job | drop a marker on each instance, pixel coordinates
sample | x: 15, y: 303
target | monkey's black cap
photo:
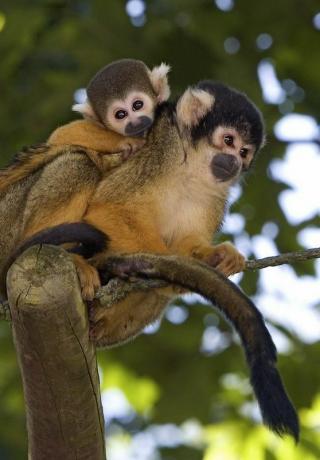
x: 231, y: 109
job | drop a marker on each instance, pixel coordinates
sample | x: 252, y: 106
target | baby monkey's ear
x: 86, y: 110
x: 159, y: 80
x: 192, y: 106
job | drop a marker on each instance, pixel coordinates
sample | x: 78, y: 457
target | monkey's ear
x: 264, y: 141
x: 192, y: 106
x: 85, y: 109
x: 159, y: 81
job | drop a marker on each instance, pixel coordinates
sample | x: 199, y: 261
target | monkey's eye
x: 243, y: 153
x: 228, y: 140
x: 120, y: 114
x: 137, y: 105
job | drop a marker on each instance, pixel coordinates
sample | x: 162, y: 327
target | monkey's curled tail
x: 91, y: 239
x: 277, y: 411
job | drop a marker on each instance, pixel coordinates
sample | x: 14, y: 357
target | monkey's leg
x: 128, y: 232
x: 71, y: 212
x: 59, y: 213
x: 127, y: 318
x: 224, y: 257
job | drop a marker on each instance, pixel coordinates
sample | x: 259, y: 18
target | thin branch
x: 286, y: 258
x: 252, y: 264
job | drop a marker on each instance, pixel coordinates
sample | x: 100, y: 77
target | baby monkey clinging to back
x: 122, y: 98
x: 123, y: 95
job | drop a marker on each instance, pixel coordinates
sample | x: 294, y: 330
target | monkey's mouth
x: 140, y: 128
x: 140, y: 132
x: 225, y: 166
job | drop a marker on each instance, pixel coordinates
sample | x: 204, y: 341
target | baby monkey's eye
x: 228, y: 140
x: 120, y: 114
x: 137, y: 105
x: 243, y: 153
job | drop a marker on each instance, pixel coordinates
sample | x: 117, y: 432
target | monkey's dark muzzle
x: 225, y: 166
x: 140, y: 128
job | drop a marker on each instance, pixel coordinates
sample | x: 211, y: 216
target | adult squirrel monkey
x: 121, y: 102
x: 169, y: 198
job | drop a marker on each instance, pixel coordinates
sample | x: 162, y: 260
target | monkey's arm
x: 92, y: 136
x: 224, y: 257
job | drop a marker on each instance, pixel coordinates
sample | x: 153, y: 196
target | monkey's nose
x: 138, y: 127
x: 225, y: 166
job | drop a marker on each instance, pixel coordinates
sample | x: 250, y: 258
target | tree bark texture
x: 57, y: 360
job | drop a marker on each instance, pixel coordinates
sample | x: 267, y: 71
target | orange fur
x: 71, y: 212
x: 130, y: 228
x: 91, y: 135
x: 105, y: 148
x: 88, y: 276
x: 27, y: 162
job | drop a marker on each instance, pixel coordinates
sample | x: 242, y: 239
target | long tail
x: 91, y: 239
x: 277, y: 411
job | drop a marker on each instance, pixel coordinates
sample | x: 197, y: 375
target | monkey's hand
x: 225, y: 258
x: 128, y: 146
x: 88, y: 277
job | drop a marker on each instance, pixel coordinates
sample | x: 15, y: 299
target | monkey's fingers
x: 129, y: 146
x: 90, y: 283
x: 88, y: 277
x: 231, y: 264
x: 226, y: 258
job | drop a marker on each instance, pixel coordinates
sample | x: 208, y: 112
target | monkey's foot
x: 89, y: 281
x: 225, y: 258
x: 88, y: 277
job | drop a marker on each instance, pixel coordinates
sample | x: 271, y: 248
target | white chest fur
x: 191, y: 202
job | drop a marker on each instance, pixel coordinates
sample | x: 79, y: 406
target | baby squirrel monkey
x: 121, y: 102
x: 121, y: 98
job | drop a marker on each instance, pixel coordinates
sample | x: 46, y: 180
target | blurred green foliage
x: 50, y: 48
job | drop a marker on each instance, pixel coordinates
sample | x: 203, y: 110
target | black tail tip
x: 278, y: 412
x: 284, y: 425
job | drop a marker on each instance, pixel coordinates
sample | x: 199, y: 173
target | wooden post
x: 57, y: 360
